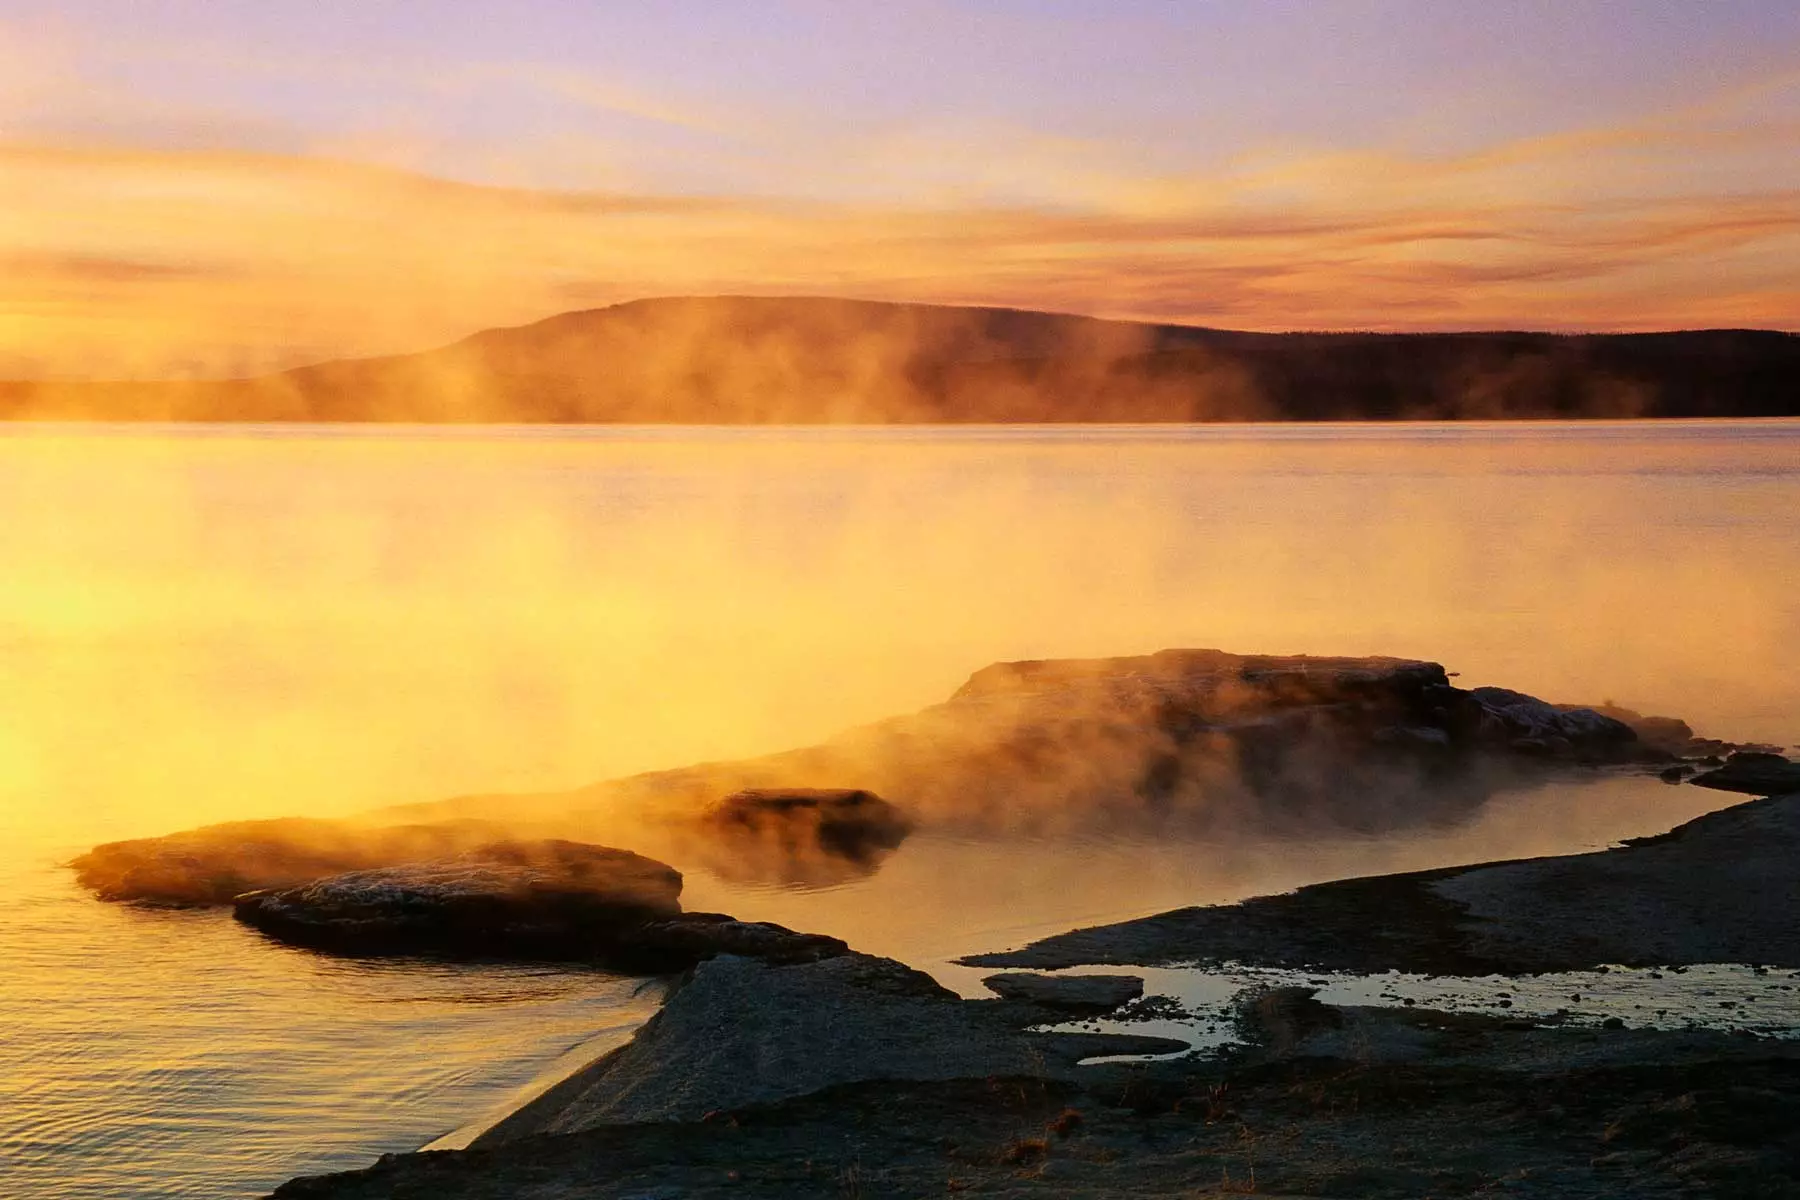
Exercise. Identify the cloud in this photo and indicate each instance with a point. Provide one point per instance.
(141, 261)
(100, 270)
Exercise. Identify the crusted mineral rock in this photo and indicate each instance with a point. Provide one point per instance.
(549, 900)
(215, 863)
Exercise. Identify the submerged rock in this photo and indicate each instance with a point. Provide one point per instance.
(1071, 993)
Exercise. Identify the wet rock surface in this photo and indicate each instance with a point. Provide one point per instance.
(674, 943)
(1756, 773)
(785, 1064)
(1283, 1018)
(1721, 888)
(549, 900)
(1068, 993)
(858, 1075)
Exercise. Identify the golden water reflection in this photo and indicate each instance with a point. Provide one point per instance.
(206, 624)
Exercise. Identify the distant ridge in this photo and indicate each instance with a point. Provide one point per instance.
(799, 360)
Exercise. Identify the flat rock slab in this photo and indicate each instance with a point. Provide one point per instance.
(1070, 993)
(1721, 888)
(1755, 774)
(216, 863)
(739, 1032)
(550, 900)
(677, 943)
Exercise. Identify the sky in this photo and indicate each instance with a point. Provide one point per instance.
(221, 186)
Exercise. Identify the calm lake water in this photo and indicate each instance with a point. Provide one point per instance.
(198, 624)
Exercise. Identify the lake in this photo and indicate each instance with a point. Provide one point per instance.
(219, 622)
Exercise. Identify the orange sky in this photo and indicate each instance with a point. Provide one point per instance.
(136, 246)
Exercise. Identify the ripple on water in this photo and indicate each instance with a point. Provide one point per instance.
(178, 1054)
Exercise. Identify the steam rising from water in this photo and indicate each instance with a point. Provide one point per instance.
(201, 625)
(306, 623)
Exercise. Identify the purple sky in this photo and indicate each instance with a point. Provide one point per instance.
(718, 96)
(1391, 163)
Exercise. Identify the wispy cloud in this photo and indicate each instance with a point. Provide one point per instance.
(143, 260)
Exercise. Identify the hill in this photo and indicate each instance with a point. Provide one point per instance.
(750, 360)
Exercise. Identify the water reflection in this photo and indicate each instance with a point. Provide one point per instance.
(212, 624)
(173, 1053)
(942, 896)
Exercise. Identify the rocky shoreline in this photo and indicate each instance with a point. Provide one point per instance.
(1721, 888)
(1587, 1115)
(1187, 741)
(788, 1064)
(1183, 741)
(859, 1076)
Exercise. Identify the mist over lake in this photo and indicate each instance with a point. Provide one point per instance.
(209, 624)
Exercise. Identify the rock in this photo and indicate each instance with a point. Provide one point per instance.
(1756, 758)
(1532, 726)
(213, 864)
(552, 899)
(1757, 773)
(1281, 1018)
(1720, 888)
(1070, 993)
(675, 943)
(737, 1033)
(1668, 735)
(813, 836)
(1196, 742)
(1196, 738)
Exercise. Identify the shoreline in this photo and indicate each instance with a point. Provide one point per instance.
(767, 1067)
(1716, 889)
(570, 1062)
(759, 1020)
